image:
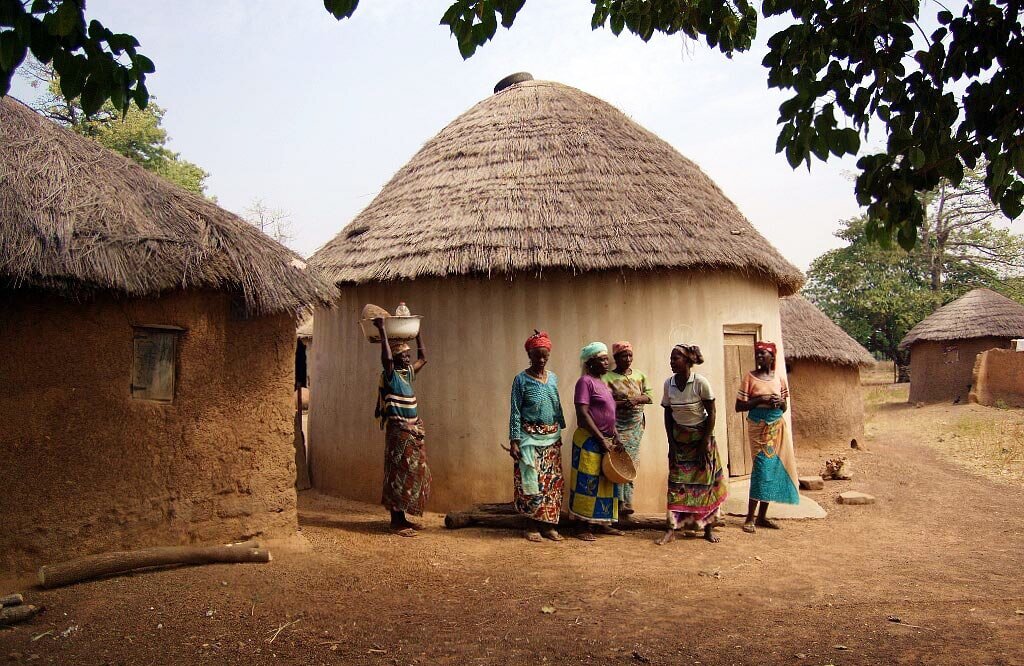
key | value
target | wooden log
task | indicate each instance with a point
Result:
(11, 600)
(106, 564)
(504, 516)
(16, 614)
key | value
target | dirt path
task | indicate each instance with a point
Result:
(942, 549)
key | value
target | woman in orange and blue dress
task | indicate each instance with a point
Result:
(763, 395)
(631, 391)
(535, 442)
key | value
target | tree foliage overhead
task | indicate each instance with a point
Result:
(138, 135)
(945, 97)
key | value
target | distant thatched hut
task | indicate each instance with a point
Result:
(146, 364)
(540, 207)
(823, 364)
(943, 346)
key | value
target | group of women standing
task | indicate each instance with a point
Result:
(609, 405)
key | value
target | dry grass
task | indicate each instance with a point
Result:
(985, 440)
(78, 218)
(544, 177)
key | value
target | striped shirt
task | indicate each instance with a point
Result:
(396, 400)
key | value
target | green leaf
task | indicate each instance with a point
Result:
(1011, 206)
(917, 158)
(94, 94)
(618, 23)
(66, 19)
(12, 50)
(143, 64)
(341, 9)
(141, 96)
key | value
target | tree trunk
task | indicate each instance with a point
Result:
(107, 564)
(15, 614)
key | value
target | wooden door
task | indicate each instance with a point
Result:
(739, 360)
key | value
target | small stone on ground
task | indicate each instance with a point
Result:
(811, 483)
(854, 497)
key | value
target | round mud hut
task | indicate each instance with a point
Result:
(147, 359)
(541, 207)
(944, 345)
(823, 364)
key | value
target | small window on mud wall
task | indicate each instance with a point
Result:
(951, 354)
(153, 363)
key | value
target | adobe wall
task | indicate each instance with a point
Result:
(87, 469)
(474, 331)
(827, 404)
(999, 378)
(936, 376)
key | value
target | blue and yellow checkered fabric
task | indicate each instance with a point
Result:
(591, 495)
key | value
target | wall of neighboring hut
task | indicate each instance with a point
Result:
(999, 378)
(87, 468)
(826, 400)
(943, 371)
(474, 331)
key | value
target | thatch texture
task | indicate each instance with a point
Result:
(808, 334)
(541, 176)
(76, 217)
(980, 313)
(305, 328)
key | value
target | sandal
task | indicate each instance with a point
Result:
(533, 537)
(552, 534)
(586, 536)
(611, 531)
(406, 532)
(767, 524)
(749, 528)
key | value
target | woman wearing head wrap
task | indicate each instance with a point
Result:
(535, 442)
(593, 498)
(631, 392)
(697, 485)
(406, 475)
(763, 395)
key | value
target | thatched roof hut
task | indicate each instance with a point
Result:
(540, 207)
(823, 363)
(811, 336)
(79, 218)
(147, 358)
(943, 346)
(543, 177)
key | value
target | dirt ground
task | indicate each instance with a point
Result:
(942, 551)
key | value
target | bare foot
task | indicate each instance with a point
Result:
(552, 534)
(611, 531)
(626, 510)
(533, 536)
(709, 535)
(767, 524)
(667, 538)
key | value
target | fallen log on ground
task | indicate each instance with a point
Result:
(11, 600)
(16, 614)
(106, 564)
(504, 516)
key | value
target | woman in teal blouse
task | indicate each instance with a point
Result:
(535, 442)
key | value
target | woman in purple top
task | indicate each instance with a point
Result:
(592, 497)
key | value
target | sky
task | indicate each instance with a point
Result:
(280, 102)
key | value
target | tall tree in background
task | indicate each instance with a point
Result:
(138, 135)
(274, 222)
(877, 293)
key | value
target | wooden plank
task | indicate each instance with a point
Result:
(739, 360)
(153, 364)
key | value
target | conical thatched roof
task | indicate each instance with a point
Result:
(808, 334)
(980, 313)
(76, 217)
(541, 176)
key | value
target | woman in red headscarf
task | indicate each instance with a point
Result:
(763, 396)
(535, 442)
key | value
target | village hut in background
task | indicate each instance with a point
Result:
(146, 365)
(823, 364)
(540, 207)
(943, 346)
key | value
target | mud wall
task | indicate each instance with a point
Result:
(827, 403)
(943, 371)
(86, 468)
(474, 331)
(999, 378)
